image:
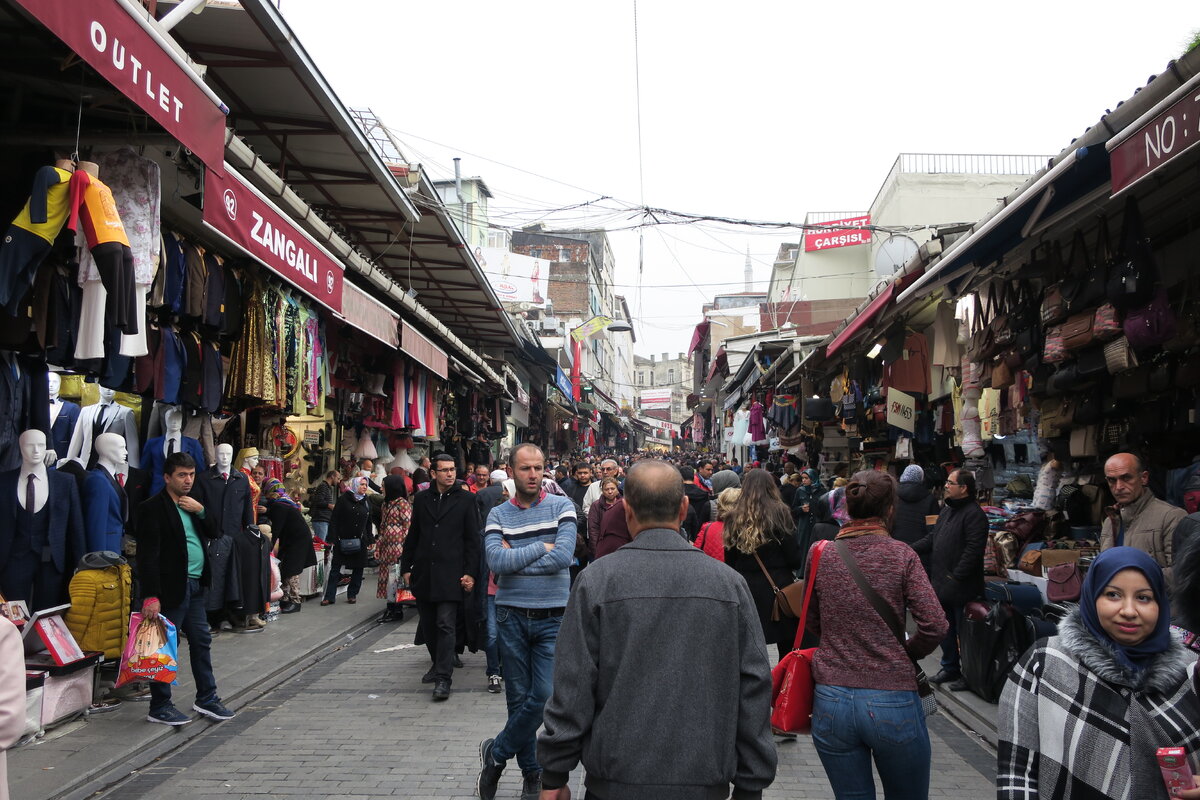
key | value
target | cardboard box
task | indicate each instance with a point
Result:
(1052, 558)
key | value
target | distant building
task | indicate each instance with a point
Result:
(470, 211)
(653, 377)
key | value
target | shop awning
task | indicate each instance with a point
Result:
(698, 336)
(863, 319)
(365, 313)
(423, 351)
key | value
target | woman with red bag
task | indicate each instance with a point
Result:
(866, 704)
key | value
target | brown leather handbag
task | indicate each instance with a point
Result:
(789, 601)
(1077, 330)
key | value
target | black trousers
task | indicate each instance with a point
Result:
(439, 626)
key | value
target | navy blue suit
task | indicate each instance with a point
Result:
(65, 537)
(153, 459)
(63, 427)
(105, 510)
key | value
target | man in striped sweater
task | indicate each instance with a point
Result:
(530, 543)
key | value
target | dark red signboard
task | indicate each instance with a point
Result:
(1167, 136)
(841, 233)
(113, 43)
(237, 210)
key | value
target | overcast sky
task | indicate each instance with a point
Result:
(751, 110)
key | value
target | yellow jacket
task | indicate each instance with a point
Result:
(99, 612)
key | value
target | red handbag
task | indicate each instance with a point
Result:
(792, 684)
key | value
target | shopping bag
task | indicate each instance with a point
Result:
(397, 589)
(151, 654)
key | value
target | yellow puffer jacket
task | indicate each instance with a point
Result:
(99, 612)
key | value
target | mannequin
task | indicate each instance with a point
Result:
(247, 460)
(30, 236)
(106, 416)
(225, 492)
(155, 453)
(63, 417)
(105, 502)
(39, 546)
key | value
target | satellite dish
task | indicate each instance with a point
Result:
(893, 254)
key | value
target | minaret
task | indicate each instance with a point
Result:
(749, 270)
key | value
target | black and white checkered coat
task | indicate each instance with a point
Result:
(1075, 725)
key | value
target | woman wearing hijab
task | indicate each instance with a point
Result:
(350, 536)
(293, 538)
(1083, 712)
(394, 519)
(807, 492)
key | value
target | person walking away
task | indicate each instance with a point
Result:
(866, 704)
(350, 535)
(634, 624)
(759, 544)
(610, 493)
(955, 549)
(440, 564)
(1138, 519)
(174, 574)
(294, 543)
(395, 516)
(722, 480)
(914, 502)
(321, 501)
(711, 538)
(1083, 712)
(530, 546)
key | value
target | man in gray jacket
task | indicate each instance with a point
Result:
(662, 687)
(1139, 519)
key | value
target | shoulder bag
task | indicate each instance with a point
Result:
(1133, 276)
(929, 703)
(1064, 582)
(789, 601)
(792, 683)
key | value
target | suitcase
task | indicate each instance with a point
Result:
(993, 637)
(1024, 597)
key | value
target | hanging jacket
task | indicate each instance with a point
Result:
(99, 614)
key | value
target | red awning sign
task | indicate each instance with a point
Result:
(113, 43)
(1159, 141)
(841, 233)
(239, 211)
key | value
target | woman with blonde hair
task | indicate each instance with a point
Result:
(759, 544)
(711, 538)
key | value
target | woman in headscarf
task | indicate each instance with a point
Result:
(725, 479)
(810, 489)
(395, 516)
(350, 536)
(293, 538)
(1083, 712)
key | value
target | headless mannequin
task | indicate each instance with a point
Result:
(90, 167)
(105, 503)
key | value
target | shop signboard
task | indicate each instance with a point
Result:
(113, 43)
(515, 278)
(654, 398)
(1161, 140)
(240, 212)
(901, 410)
(562, 382)
(842, 233)
(728, 437)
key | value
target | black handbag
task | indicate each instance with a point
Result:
(1159, 380)
(1084, 288)
(1090, 363)
(1089, 408)
(1132, 280)
(1133, 384)
(350, 546)
(818, 409)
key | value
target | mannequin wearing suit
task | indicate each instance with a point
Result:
(225, 492)
(41, 529)
(63, 416)
(155, 453)
(105, 503)
(107, 416)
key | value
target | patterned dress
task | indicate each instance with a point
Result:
(395, 517)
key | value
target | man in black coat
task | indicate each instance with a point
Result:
(955, 547)
(174, 573)
(440, 565)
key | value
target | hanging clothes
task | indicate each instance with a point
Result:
(31, 235)
(95, 217)
(911, 372)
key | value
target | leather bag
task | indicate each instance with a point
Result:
(789, 600)
(1085, 286)
(1148, 327)
(1077, 330)
(1084, 442)
(1027, 526)
(1132, 279)
(1132, 384)
(1054, 305)
(1064, 582)
(1055, 349)
(792, 684)
(1031, 563)
(1090, 364)
(1002, 375)
(1119, 356)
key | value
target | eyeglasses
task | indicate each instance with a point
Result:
(953, 483)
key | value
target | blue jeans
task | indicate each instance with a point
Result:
(191, 618)
(320, 530)
(950, 656)
(852, 725)
(527, 650)
(491, 647)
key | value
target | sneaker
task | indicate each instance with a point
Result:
(494, 684)
(489, 773)
(289, 608)
(169, 715)
(531, 785)
(441, 691)
(214, 710)
(226, 625)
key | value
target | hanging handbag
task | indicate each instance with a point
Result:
(792, 684)
(1119, 356)
(1001, 325)
(1159, 380)
(1064, 582)
(1113, 433)
(1090, 364)
(1085, 286)
(929, 703)
(1148, 326)
(789, 601)
(1187, 326)
(1106, 323)
(1054, 305)
(1133, 384)
(1134, 274)
(1187, 374)
(1083, 442)
(982, 340)
(1002, 375)
(1055, 349)
(1089, 408)
(1077, 330)
(1056, 416)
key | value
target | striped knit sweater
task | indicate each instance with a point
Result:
(527, 574)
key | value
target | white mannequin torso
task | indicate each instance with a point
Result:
(168, 437)
(41, 486)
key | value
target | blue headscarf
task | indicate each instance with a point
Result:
(1133, 657)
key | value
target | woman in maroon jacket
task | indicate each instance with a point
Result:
(866, 703)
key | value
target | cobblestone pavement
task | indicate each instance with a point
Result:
(360, 724)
